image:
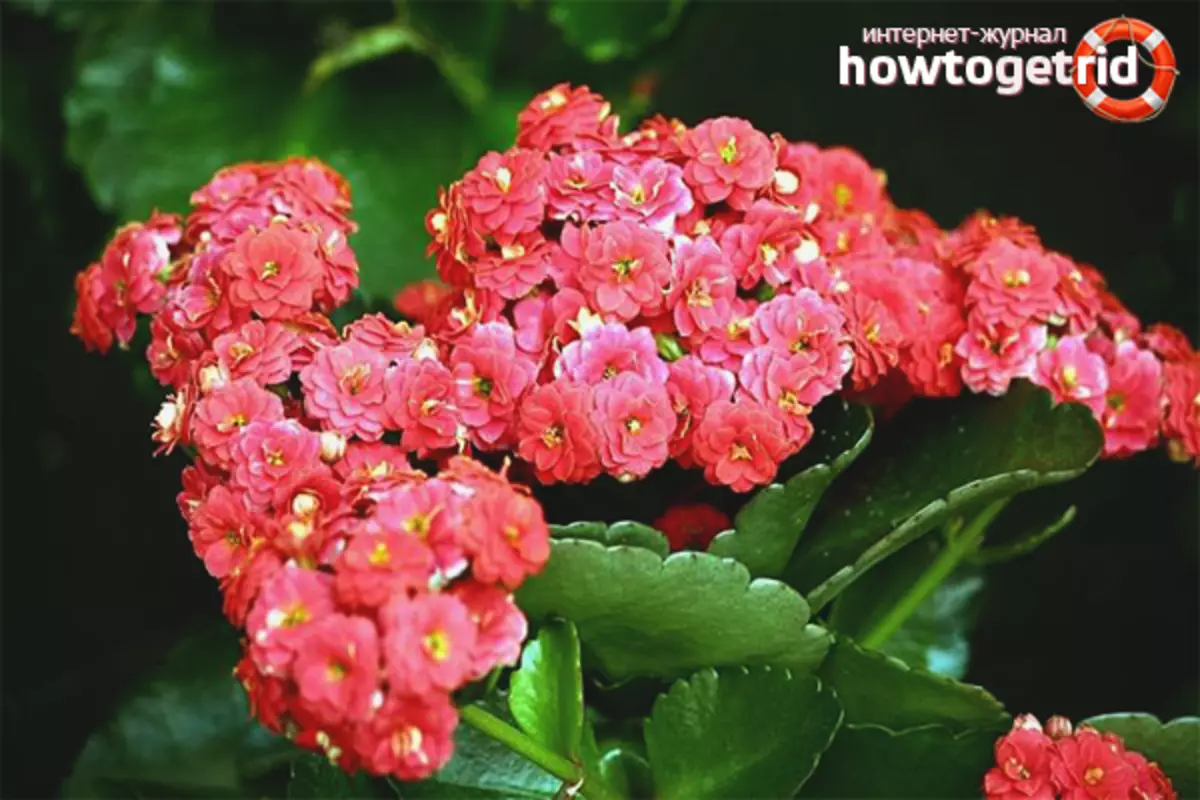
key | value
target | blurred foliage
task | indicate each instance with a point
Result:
(110, 109)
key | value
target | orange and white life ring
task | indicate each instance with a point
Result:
(1150, 102)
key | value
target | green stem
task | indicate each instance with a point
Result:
(563, 769)
(958, 546)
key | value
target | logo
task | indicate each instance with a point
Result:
(1090, 66)
(1097, 63)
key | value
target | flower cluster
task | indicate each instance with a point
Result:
(368, 590)
(1033, 763)
(614, 301)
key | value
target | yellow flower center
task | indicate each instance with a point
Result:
(269, 270)
(1093, 775)
(633, 425)
(624, 266)
(638, 195)
(1015, 278)
(503, 179)
(729, 151)
(553, 436)
(380, 555)
(437, 644)
(1070, 376)
(739, 452)
(842, 195)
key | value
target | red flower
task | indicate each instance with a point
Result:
(345, 386)
(377, 566)
(578, 187)
(420, 402)
(395, 341)
(505, 534)
(930, 362)
(555, 433)
(430, 511)
(557, 116)
(337, 668)
(274, 271)
(624, 269)
(409, 737)
(694, 386)
(491, 375)
(289, 601)
(223, 532)
(994, 355)
(1181, 423)
(1088, 766)
(221, 415)
(636, 422)
(505, 195)
(258, 350)
(1013, 285)
(87, 323)
(268, 453)
(1023, 762)
(728, 160)
(740, 445)
(427, 643)
(692, 527)
(501, 625)
(1072, 373)
(703, 288)
(842, 183)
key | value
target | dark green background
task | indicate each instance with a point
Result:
(98, 574)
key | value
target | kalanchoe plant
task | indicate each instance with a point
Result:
(705, 328)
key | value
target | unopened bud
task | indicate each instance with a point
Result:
(427, 349)
(211, 377)
(786, 182)
(1059, 727)
(333, 446)
(811, 212)
(305, 504)
(299, 530)
(1027, 722)
(167, 416)
(808, 251)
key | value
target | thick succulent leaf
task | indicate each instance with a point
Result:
(640, 614)
(878, 689)
(546, 693)
(739, 733)
(769, 526)
(314, 777)
(604, 31)
(160, 102)
(931, 461)
(633, 534)
(934, 637)
(185, 731)
(930, 762)
(1175, 745)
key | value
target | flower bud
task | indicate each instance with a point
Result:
(211, 377)
(1026, 722)
(1058, 727)
(305, 504)
(808, 251)
(786, 182)
(333, 446)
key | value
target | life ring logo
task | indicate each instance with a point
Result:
(1091, 67)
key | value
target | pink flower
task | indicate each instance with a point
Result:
(728, 160)
(501, 626)
(605, 351)
(505, 194)
(843, 183)
(806, 326)
(173, 353)
(1022, 772)
(1073, 374)
(410, 737)
(1013, 285)
(557, 116)
(505, 535)
(292, 599)
(930, 363)
(258, 350)
(395, 341)
(267, 453)
(345, 387)
(420, 403)
(693, 386)
(223, 532)
(337, 668)
(578, 188)
(727, 345)
(993, 355)
(875, 337)
(624, 269)
(651, 192)
(703, 288)
(428, 641)
(634, 416)
(274, 272)
(379, 565)
(429, 511)
(791, 384)
(491, 374)
(555, 433)
(221, 415)
(763, 247)
(740, 445)
(516, 268)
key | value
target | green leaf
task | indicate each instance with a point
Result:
(930, 762)
(633, 534)
(184, 731)
(739, 733)
(160, 102)
(314, 777)
(932, 461)
(483, 768)
(604, 31)
(1023, 545)
(769, 526)
(1175, 745)
(640, 614)
(934, 637)
(365, 45)
(881, 690)
(546, 693)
